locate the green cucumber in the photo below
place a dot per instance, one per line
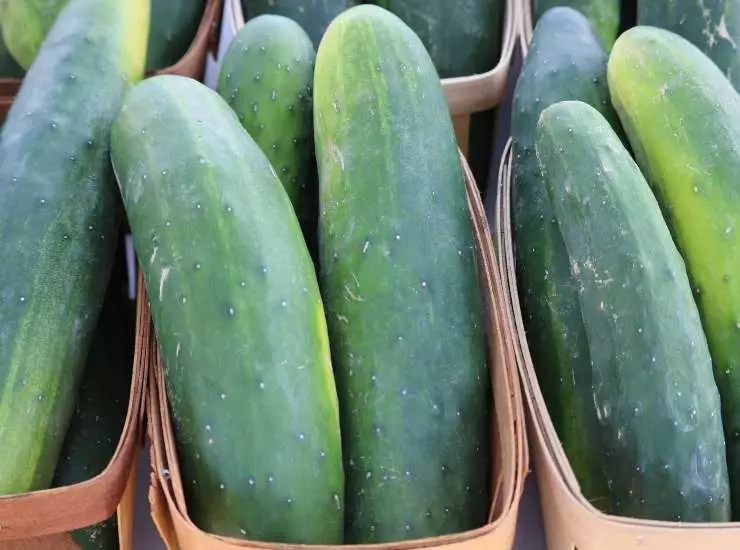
(267, 77)
(58, 222)
(26, 24)
(462, 41)
(405, 316)
(238, 315)
(711, 25)
(660, 440)
(102, 404)
(565, 61)
(9, 67)
(682, 117)
(174, 24)
(604, 15)
(313, 16)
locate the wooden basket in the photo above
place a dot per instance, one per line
(191, 64)
(166, 496)
(571, 522)
(465, 94)
(41, 520)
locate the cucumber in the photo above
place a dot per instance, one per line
(660, 440)
(604, 15)
(462, 41)
(267, 77)
(313, 16)
(682, 117)
(405, 316)
(238, 316)
(102, 404)
(174, 24)
(26, 24)
(59, 217)
(9, 67)
(711, 25)
(565, 61)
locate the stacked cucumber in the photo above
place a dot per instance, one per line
(326, 374)
(627, 267)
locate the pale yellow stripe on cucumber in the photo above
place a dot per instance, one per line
(134, 37)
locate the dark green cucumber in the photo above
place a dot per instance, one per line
(660, 440)
(102, 403)
(9, 67)
(399, 279)
(267, 77)
(174, 24)
(461, 41)
(711, 25)
(59, 213)
(26, 24)
(565, 61)
(682, 117)
(604, 15)
(313, 16)
(238, 315)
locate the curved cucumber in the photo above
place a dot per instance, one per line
(267, 77)
(314, 16)
(58, 222)
(238, 315)
(461, 41)
(682, 117)
(174, 24)
(711, 25)
(602, 14)
(405, 319)
(102, 404)
(566, 61)
(26, 24)
(660, 439)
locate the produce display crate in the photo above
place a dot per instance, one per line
(465, 94)
(191, 64)
(510, 463)
(571, 522)
(41, 520)
(526, 24)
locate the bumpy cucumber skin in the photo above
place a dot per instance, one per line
(102, 403)
(58, 222)
(711, 25)
(461, 41)
(566, 61)
(654, 396)
(238, 315)
(682, 117)
(604, 15)
(267, 78)
(174, 24)
(26, 24)
(314, 16)
(405, 320)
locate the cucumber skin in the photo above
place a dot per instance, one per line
(711, 25)
(9, 67)
(26, 24)
(406, 326)
(314, 16)
(174, 24)
(465, 42)
(231, 284)
(604, 15)
(54, 145)
(698, 193)
(566, 61)
(102, 404)
(267, 78)
(654, 394)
